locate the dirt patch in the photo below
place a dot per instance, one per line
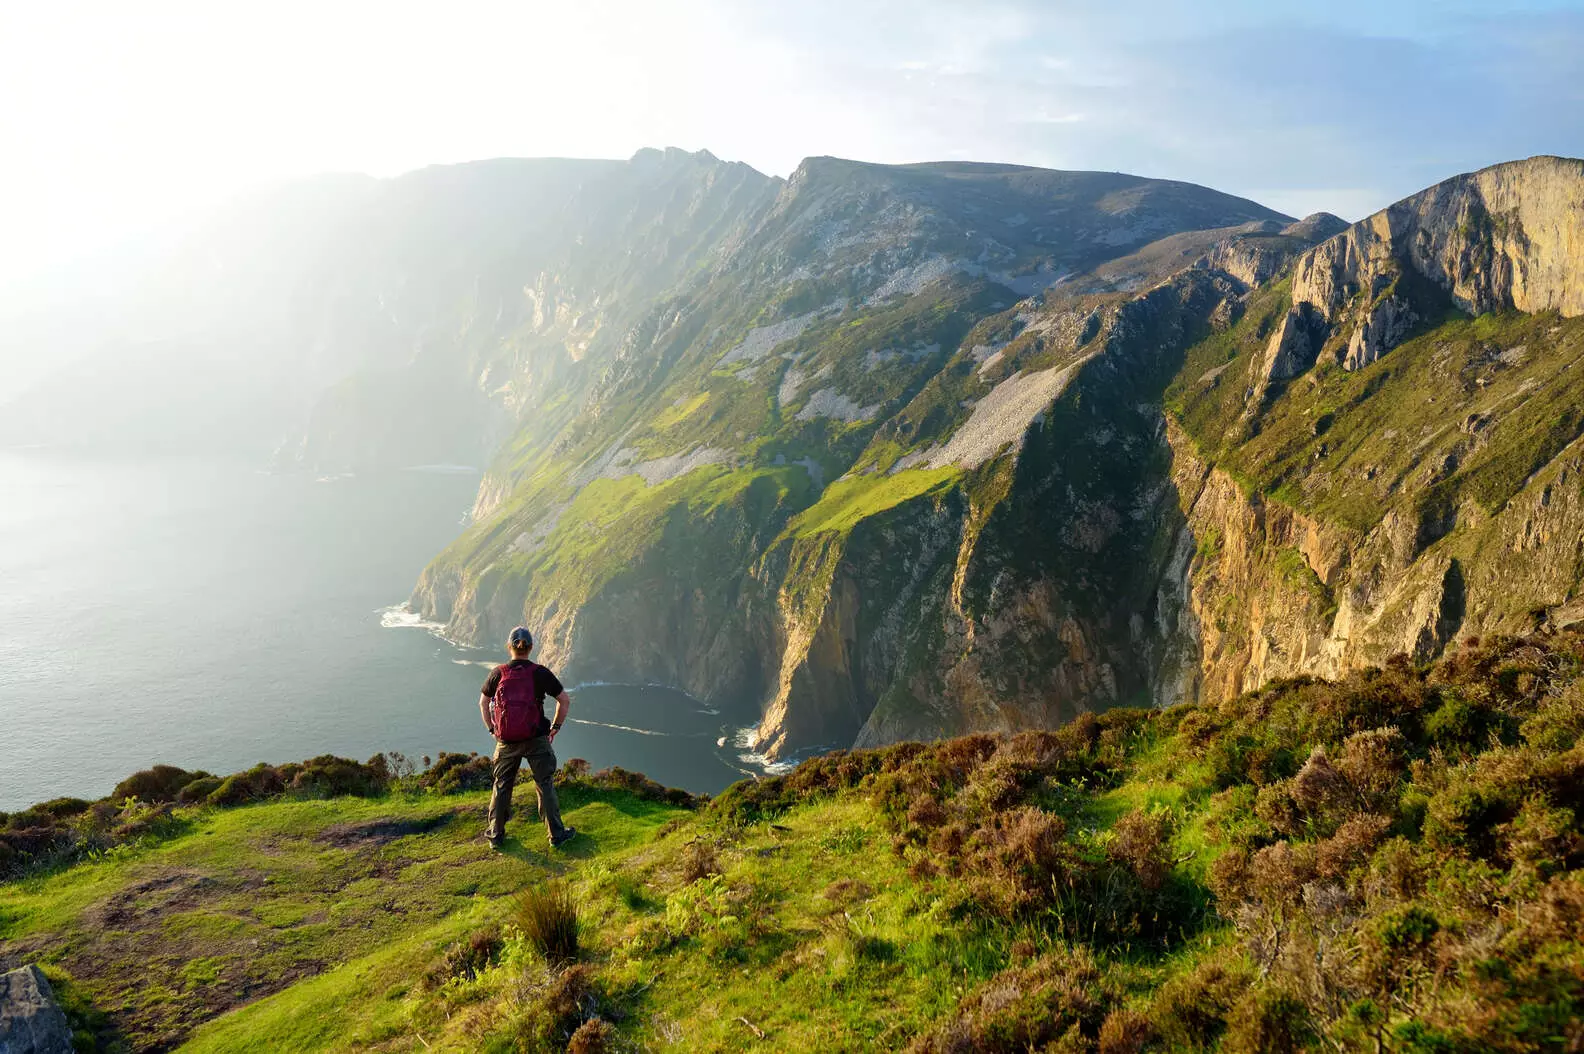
(161, 895)
(371, 833)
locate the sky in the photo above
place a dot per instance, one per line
(119, 117)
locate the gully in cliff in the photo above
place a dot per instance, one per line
(512, 706)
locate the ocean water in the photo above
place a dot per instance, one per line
(202, 614)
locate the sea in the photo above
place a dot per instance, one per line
(202, 613)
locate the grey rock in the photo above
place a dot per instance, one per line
(1383, 327)
(1316, 227)
(30, 1020)
(1504, 237)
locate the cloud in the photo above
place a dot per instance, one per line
(129, 110)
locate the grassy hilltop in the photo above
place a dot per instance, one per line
(1391, 862)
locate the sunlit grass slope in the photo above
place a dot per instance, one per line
(1392, 862)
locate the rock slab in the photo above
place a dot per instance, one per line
(30, 1020)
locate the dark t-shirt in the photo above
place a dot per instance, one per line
(545, 683)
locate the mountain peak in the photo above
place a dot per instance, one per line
(1317, 227)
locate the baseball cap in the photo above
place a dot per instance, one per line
(520, 637)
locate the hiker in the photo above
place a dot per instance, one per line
(512, 705)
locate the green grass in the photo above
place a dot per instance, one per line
(249, 899)
(1131, 866)
(848, 501)
(1468, 409)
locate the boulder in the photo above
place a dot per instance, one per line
(30, 1020)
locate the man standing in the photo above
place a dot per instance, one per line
(512, 706)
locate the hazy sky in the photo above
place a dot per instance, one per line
(115, 115)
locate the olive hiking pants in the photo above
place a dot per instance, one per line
(542, 763)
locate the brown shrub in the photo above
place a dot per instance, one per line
(1352, 844)
(634, 783)
(947, 844)
(845, 892)
(256, 784)
(594, 1036)
(1373, 763)
(162, 783)
(699, 860)
(466, 959)
(1396, 872)
(1190, 1010)
(565, 1005)
(1275, 807)
(1059, 999)
(1229, 879)
(1319, 790)
(1141, 846)
(1277, 873)
(1022, 852)
(1127, 1032)
(1541, 840)
(926, 813)
(452, 773)
(1198, 726)
(1269, 1023)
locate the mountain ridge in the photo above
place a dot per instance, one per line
(910, 450)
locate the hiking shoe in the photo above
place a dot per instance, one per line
(566, 835)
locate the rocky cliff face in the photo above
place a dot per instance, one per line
(1341, 507)
(892, 451)
(859, 377)
(908, 499)
(1506, 237)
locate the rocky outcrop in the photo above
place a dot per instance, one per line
(1258, 591)
(31, 1022)
(1505, 237)
(1316, 227)
(1382, 326)
(1292, 347)
(1012, 534)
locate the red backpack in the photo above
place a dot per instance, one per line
(518, 707)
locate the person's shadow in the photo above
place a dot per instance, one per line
(539, 853)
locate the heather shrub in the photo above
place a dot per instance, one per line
(328, 776)
(466, 959)
(699, 860)
(1269, 1022)
(1191, 1009)
(561, 1008)
(162, 783)
(199, 790)
(452, 773)
(1127, 1031)
(1061, 998)
(62, 808)
(256, 784)
(594, 1036)
(634, 783)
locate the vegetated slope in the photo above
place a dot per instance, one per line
(898, 502)
(1387, 862)
(688, 524)
(1384, 453)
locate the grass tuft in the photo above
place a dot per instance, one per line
(547, 916)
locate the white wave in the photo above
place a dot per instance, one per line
(488, 664)
(400, 616)
(622, 728)
(444, 469)
(743, 741)
(623, 684)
